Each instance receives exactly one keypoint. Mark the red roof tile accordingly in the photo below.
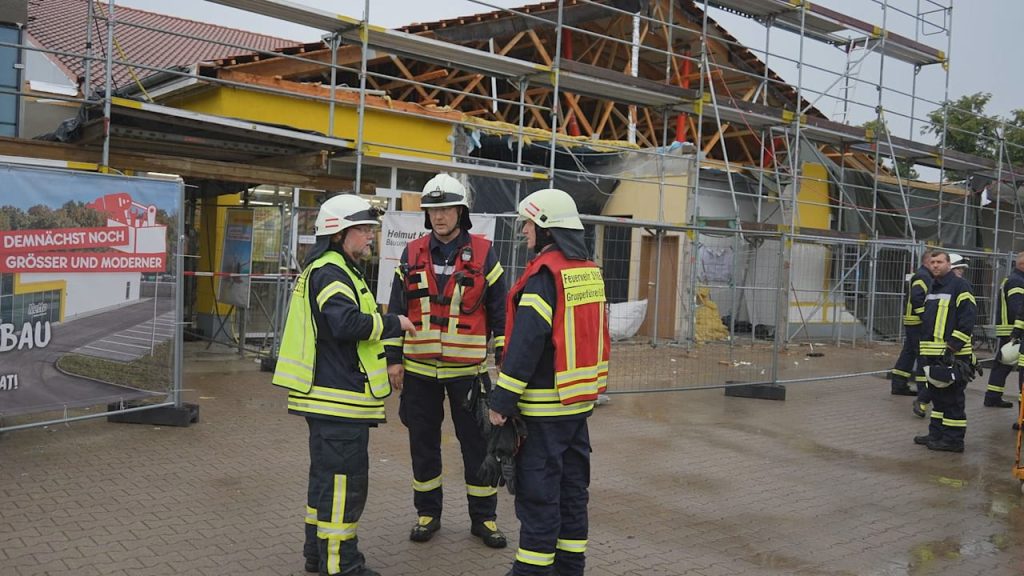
(61, 25)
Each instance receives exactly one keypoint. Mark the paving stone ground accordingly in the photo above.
(684, 483)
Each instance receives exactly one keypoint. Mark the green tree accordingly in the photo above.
(968, 129)
(904, 167)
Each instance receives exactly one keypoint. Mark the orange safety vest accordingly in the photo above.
(579, 327)
(451, 327)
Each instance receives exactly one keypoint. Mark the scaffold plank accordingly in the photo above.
(825, 25)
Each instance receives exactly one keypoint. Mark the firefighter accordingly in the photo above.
(555, 367)
(946, 353)
(1009, 326)
(332, 362)
(451, 285)
(920, 282)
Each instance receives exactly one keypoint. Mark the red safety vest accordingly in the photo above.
(451, 327)
(579, 326)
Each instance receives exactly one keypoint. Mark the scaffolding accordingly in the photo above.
(565, 82)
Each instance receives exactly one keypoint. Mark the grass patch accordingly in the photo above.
(147, 373)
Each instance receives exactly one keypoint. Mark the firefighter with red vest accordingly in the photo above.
(556, 364)
(451, 286)
(332, 362)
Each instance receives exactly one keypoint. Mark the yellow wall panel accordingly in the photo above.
(812, 203)
(390, 132)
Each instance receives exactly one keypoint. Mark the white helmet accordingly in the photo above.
(443, 190)
(1009, 353)
(343, 211)
(957, 261)
(551, 208)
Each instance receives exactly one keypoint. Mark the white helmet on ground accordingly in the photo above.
(1009, 353)
(551, 208)
(344, 211)
(441, 191)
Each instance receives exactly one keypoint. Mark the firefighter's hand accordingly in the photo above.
(407, 325)
(396, 375)
(496, 418)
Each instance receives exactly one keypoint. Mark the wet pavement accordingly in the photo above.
(827, 482)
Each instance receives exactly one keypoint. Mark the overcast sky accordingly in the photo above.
(983, 55)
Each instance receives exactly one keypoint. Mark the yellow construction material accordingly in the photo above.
(709, 322)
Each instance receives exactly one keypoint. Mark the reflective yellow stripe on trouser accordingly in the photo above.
(481, 491)
(535, 558)
(574, 546)
(336, 531)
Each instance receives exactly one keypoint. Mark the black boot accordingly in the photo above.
(925, 440)
(944, 445)
(312, 565)
(424, 529)
(997, 403)
(489, 533)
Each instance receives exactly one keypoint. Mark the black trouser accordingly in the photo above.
(997, 374)
(905, 364)
(949, 417)
(552, 492)
(338, 482)
(422, 411)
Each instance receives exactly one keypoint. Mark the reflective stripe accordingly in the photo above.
(1017, 290)
(298, 404)
(534, 558)
(966, 296)
(310, 515)
(939, 331)
(378, 327)
(494, 274)
(296, 363)
(431, 369)
(936, 414)
(393, 341)
(331, 289)
(337, 516)
(511, 384)
(499, 341)
(954, 423)
(994, 388)
(344, 531)
(961, 336)
(441, 270)
(575, 546)
(554, 408)
(339, 395)
(480, 491)
(536, 395)
(898, 372)
(432, 484)
(538, 304)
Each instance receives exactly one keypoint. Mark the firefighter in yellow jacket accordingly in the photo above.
(451, 285)
(332, 362)
(556, 364)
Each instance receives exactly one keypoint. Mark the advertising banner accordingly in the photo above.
(236, 265)
(80, 321)
(397, 229)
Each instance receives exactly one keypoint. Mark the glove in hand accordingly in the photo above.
(498, 466)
